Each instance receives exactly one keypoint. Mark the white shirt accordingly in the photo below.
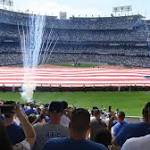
(64, 121)
(24, 145)
(138, 143)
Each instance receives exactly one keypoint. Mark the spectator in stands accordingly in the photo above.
(43, 117)
(92, 112)
(119, 125)
(14, 131)
(51, 129)
(30, 110)
(4, 139)
(103, 136)
(137, 143)
(78, 127)
(137, 129)
(96, 123)
(28, 131)
(111, 120)
(5, 142)
(64, 118)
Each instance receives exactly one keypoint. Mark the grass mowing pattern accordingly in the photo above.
(130, 102)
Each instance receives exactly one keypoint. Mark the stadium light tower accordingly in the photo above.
(122, 9)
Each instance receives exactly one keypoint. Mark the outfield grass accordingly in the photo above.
(130, 102)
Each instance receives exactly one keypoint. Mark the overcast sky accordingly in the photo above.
(82, 7)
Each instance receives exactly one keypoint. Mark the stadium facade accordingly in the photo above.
(120, 40)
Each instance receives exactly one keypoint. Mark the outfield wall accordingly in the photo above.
(67, 89)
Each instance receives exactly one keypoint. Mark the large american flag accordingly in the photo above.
(77, 77)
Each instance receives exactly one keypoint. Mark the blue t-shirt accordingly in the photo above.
(30, 111)
(15, 133)
(118, 126)
(132, 130)
(70, 144)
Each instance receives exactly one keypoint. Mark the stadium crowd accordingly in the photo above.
(88, 35)
(76, 37)
(86, 23)
(101, 59)
(11, 54)
(8, 59)
(59, 126)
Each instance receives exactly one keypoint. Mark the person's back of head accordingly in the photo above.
(103, 136)
(55, 109)
(96, 113)
(78, 127)
(121, 115)
(79, 122)
(31, 105)
(92, 111)
(96, 123)
(7, 109)
(64, 105)
(146, 112)
(94, 107)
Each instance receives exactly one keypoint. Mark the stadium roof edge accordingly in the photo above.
(71, 18)
(137, 15)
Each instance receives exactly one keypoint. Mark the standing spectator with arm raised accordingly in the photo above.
(27, 128)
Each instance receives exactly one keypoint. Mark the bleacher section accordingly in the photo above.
(102, 40)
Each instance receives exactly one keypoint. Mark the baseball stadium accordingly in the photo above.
(84, 55)
(74, 82)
